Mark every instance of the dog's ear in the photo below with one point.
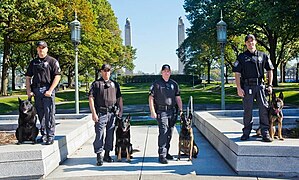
(273, 95)
(281, 95)
(129, 117)
(19, 100)
(190, 116)
(182, 117)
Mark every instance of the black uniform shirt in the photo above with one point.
(43, 70)
(104, 93)
(164, 93)
(252, 65)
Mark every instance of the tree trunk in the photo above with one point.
(69, 78)
(209, 72)
(96, 73)
(281, 73)
(297, 70)
(283, 70)
(273, 45)
(4, 79)
(13, 77)
(226, 73)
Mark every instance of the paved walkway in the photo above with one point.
(144, 165)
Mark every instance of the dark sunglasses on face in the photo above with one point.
(106, 70)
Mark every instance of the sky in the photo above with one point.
(154, 26)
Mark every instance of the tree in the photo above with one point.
(275, 23)
(22, 23)
(27, 21)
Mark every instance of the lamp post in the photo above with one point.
(221, 39)
(75, 37)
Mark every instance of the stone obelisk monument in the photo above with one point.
(128, 40)
(181, 38)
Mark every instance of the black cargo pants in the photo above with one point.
(45, 107)
(256, 92)
(104, 130)
(166, 121)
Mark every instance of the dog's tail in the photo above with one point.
(135, 150)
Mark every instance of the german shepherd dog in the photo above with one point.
(123, 146)
(186, 139)
(275, 115)
(27, 130)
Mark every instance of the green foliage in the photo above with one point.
(22, 23)
(275, 24)
(134, 94)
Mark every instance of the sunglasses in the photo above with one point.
(106, 70)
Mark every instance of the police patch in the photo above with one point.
(260, 58)
(236, 63)
(57, 65)
(152, 86)
(172, 86)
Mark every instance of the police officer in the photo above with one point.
(164, 96)
(45, 71)
(105, 101)
(249, 77)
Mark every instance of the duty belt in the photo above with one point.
(104, 109)
(253, 81)
(38, 85)
(164, 108)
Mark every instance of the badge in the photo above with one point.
(250, 91)
(46, 64)
(172, 86)
(260, 58)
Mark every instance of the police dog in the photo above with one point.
(27, 130)
(186, 139)
(275, 115)
(123, 146)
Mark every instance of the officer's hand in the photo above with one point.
(240, 92)
(153, 115)
(48, 93)
(181, 113)
(95, 117)
(269, 89)
(30, 94)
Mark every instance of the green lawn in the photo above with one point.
(138, 94)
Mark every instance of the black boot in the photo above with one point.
(99, 159)
(107, 158)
